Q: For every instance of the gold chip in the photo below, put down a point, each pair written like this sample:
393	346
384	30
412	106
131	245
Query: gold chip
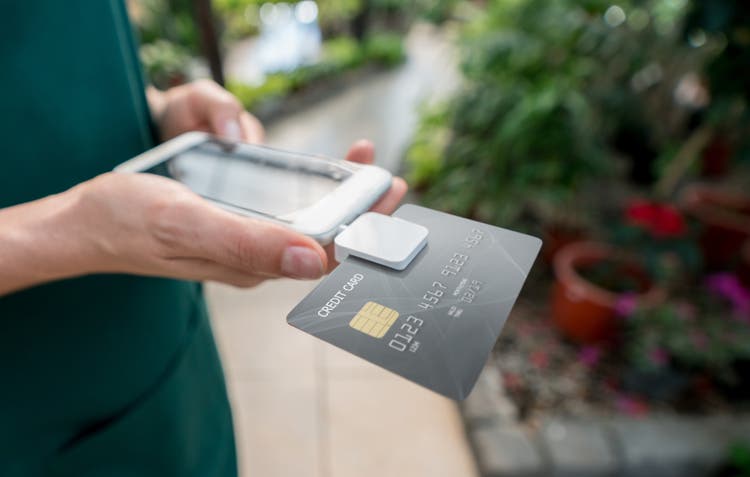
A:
374	319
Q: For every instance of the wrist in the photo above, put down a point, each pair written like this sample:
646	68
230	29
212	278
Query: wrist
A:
63	236
40	242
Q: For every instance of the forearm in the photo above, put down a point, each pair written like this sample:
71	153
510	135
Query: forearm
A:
40	241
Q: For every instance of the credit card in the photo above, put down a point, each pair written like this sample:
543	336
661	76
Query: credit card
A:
435	322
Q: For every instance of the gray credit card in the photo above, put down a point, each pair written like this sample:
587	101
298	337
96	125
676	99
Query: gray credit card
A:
435	322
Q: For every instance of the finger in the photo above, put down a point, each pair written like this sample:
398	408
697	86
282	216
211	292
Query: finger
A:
392	198
218	108
203	230
385	205
252	129
207	270
267	249
362	152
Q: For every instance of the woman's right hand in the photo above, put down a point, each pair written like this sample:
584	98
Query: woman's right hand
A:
149	225
146	225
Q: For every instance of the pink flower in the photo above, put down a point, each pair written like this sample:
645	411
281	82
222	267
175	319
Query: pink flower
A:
626	305
590	356
729	287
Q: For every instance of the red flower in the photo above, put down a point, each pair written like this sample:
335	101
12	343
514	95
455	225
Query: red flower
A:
669	222
661	220
641	213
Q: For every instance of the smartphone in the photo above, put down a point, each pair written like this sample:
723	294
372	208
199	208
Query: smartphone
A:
313	195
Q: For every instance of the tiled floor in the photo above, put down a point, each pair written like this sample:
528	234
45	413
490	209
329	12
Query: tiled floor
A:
304	408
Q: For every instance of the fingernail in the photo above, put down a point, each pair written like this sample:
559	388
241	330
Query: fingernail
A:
301	262
232	130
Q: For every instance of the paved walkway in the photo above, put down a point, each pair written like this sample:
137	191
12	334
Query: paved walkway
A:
302	407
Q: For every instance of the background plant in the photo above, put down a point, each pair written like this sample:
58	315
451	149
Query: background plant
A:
700	335
558	95
663	240
169	39
339	56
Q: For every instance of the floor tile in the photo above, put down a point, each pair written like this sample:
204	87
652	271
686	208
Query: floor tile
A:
277	426
252	333
391	427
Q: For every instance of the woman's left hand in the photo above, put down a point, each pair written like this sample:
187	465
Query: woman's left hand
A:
205	106
202	106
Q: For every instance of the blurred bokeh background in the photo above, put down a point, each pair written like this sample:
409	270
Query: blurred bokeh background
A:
616	131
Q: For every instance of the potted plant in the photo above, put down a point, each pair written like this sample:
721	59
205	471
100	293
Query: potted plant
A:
594	281
684	340
590	278
522	134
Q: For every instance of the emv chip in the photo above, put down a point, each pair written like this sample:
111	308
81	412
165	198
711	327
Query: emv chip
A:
374	319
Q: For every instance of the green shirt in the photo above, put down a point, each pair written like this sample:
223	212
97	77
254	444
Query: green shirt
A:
110	374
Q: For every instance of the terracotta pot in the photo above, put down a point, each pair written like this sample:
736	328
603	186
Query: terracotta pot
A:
582	310
558	236
725	217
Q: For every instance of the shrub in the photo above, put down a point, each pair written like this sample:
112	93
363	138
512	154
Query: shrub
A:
385	48
339	55
165	63
556	93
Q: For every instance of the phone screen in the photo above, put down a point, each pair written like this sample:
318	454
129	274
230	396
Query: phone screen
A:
261	180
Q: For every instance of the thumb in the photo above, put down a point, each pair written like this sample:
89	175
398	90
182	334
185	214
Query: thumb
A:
254	246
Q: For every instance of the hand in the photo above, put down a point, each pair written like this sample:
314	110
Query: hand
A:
149	225
202	106
363	152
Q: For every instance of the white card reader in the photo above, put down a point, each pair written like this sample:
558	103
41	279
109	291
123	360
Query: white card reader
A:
382	239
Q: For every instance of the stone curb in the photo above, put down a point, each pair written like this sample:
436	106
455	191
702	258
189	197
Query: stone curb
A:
657	445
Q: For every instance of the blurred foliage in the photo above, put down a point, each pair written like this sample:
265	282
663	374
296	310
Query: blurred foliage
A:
556	91
165	62
738	464
729	73
339	55
385	49
699	336
438	11
169	38
430	140
166	20
241	18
